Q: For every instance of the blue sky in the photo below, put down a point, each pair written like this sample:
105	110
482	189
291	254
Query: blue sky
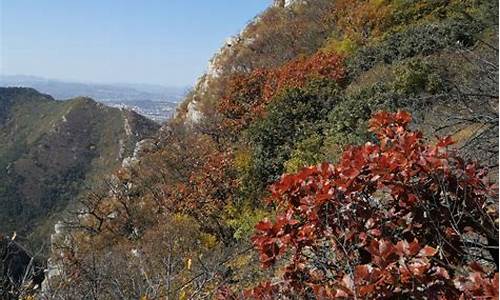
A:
166	42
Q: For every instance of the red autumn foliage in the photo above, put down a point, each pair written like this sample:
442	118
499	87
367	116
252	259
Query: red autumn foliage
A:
244	93
360	20
248	95
399	218
297	72
203	196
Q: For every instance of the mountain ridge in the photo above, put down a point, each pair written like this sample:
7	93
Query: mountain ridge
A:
51	149
62	89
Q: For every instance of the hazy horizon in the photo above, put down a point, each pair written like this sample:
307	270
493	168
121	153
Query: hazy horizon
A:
117	42
90	82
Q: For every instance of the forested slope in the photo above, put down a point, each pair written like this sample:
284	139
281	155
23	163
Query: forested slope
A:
208	212
51	151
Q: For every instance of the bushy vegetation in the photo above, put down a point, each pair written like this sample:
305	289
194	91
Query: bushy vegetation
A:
394	219
285	161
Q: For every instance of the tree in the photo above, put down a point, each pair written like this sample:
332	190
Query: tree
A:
292	116
21	274
248	95
400	218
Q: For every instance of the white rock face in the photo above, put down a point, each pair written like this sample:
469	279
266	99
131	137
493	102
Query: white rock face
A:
284	3
53	269
141	147
127	127
129	162
214	68
121	148
144	146
59	227
213	72
193	114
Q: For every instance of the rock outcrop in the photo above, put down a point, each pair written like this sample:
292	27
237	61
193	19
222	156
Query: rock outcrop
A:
218	65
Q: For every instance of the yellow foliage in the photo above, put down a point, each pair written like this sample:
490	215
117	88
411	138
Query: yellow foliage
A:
242	160
362	20
180	218
243	219
463	134
377	3
241	261
207	240
344	47
183	295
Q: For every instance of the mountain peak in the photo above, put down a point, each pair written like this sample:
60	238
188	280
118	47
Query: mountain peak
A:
21	93
53	151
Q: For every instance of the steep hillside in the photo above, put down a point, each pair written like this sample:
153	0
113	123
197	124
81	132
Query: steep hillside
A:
51	151
293	170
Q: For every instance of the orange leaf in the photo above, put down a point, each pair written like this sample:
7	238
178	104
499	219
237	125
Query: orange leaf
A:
427	251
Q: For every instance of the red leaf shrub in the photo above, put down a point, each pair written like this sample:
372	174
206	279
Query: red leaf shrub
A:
244	93
247	95
297	72
395	219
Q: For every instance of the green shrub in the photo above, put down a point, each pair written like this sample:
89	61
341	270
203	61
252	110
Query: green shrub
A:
344	46
291	117
346	123
415	76
307	153
242	220
424	40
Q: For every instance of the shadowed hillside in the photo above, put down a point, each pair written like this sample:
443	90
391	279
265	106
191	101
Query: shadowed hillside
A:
51	151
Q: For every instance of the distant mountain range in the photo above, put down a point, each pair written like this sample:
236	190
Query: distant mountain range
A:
105	92
153	101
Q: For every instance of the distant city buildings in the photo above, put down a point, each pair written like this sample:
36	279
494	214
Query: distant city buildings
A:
158	111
